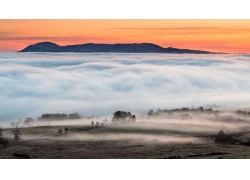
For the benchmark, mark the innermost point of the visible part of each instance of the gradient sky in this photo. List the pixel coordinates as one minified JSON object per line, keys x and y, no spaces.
{"x":230,"y":36}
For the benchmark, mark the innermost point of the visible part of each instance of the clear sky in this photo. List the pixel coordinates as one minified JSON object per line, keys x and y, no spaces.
{"x":230,"y":36}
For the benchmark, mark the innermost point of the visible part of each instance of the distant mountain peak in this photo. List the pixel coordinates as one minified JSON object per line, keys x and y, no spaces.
{"x":46,"y":43}
{"x":114,"y":48}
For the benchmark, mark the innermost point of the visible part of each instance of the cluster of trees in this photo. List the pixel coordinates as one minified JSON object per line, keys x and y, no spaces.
{"x":50,"y":117}
{"x":97,"y":123}
{"x":123,"y":116}
{"x":74,"y":116}
{"x":243,"y":112}
{"x":53,"y":117}
{"x":184,"y":109}
{"x":14,"y":124}
{"x":4,"y":142}
{"x":28,"y":121}
{"x":58,"y":116}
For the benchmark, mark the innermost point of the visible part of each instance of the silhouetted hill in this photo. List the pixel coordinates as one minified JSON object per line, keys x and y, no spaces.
{"x":118,"y":48}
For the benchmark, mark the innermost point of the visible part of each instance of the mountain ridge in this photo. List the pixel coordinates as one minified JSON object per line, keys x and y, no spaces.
{"x":115,"y":48}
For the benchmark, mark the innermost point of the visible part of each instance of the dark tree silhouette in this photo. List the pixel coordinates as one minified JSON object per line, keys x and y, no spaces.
{"x":133,"y":118}
{"x":221,"y":133}
{"x":46,"y":117}
{"x":221,"y":137}
{"x":122,"y":116}
{"x":92,"y":123}
{"x":17,"y":134}
{"x":3,"y":142}
{"x":74,"y":116}
{"x":60,"y":131}
{"x":201,"y":109}
{"x":171,"y":112}
{"x":97,"y":124}
{"x":151,"y":112}
{"x":185,"y":109}
{"x":28,"y":121}
{"x":66,"y":130}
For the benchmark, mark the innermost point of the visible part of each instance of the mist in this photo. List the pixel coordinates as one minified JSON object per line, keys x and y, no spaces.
{"x":132,"y":137}
{"x":98,"y":84}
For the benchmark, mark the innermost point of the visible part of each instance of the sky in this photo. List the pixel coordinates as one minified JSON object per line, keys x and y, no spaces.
{"x":229,"y":36}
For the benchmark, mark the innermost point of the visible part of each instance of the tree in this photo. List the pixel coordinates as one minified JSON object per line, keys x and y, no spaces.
{"x":201,"y":109}
{"x":60,"y":131}
{"x":97,"y":124}
{"x":17,"y":134}
{"x":221,"y":133}
{"x":3,"y":141}
{"x":1,"y":130}
{"x":185,"y":109}
{"x":74,"y":116}
{"x":66,"y":130}
{"x":105,"y":120}
{"x":221,"y":137}
{"x":122,"y":116}
{"x":133,"y":118}
{"x":92,"y":123}
{"x":46,"y":117}
{"x":151,"y":112}
{"x":28,"y":121}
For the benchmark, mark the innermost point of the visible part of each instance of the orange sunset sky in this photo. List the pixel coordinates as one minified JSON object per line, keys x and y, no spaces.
{"x":230,"y":36}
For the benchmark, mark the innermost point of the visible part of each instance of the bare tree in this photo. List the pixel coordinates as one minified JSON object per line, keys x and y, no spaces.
{"x":17,"y":134}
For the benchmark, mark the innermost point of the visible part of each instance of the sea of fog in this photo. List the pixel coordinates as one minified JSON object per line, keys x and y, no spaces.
{"x":98,"y":84}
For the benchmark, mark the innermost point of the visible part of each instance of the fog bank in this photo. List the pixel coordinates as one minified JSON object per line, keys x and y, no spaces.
{"x":98,"y":84}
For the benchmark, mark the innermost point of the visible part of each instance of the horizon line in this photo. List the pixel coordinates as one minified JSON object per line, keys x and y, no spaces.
{"x":121,"y":43}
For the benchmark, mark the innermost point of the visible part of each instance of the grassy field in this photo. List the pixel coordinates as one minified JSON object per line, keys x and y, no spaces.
{"x":115,"y":141}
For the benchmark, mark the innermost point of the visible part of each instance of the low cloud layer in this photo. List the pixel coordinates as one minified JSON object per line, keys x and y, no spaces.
{"x":99,"y":84}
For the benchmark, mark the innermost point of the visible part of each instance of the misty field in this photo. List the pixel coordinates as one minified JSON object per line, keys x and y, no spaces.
{"x":128,"y":140}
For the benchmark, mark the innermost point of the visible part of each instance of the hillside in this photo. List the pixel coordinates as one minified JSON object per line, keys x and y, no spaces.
{"x":116,"y":48}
